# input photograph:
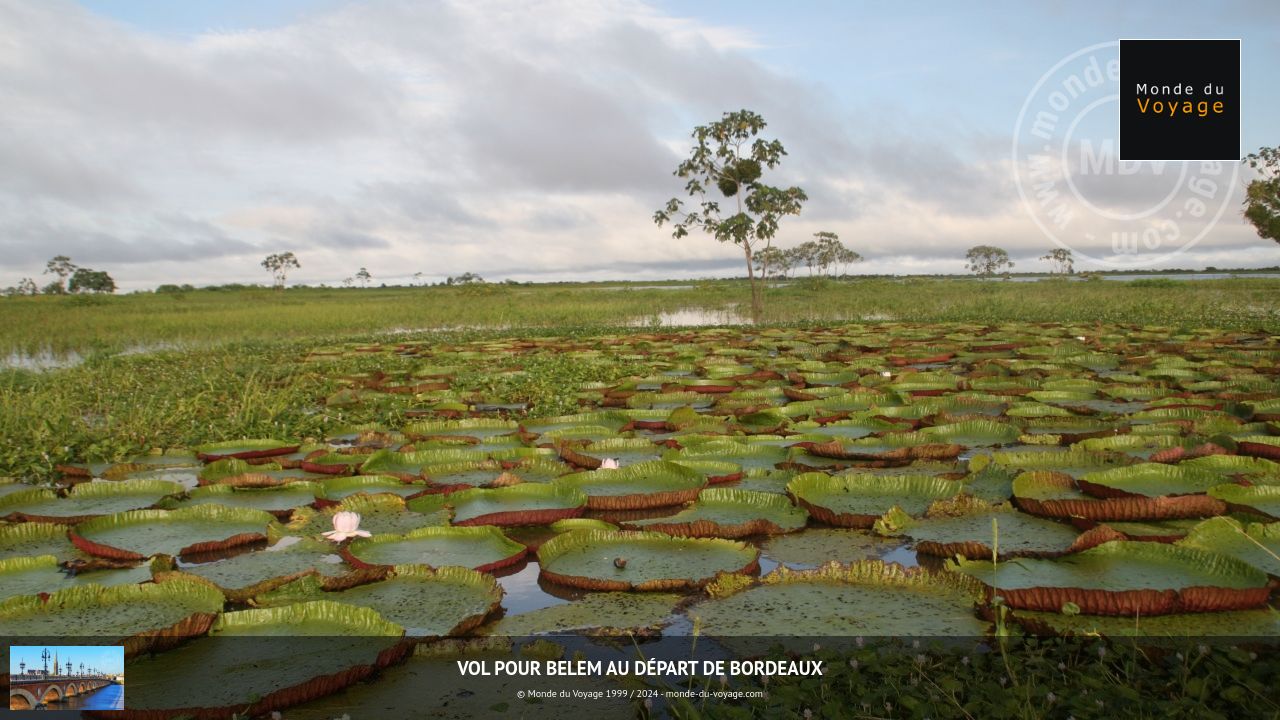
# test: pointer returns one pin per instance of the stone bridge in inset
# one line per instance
(29, 693)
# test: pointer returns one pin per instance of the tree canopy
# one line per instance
(729, 156)
(279, 265)
(1262, 196)
(987, 260)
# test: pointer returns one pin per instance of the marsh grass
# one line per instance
(32, 325)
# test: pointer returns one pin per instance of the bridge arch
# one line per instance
(52, 694)
(70, 690)
(20, 699)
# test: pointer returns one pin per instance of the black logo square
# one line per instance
(1180, 100)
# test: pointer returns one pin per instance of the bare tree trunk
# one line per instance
(757, 302)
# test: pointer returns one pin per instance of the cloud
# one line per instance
(509, 139)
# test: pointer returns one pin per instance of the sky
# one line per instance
(182, 142)
(108, 659)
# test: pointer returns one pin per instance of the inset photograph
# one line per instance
(66, 677)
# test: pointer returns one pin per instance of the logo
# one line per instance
(1117, 213)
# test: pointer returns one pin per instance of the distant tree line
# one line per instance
(69, 278)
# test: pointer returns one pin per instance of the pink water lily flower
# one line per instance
(609, 464)
(346, 525)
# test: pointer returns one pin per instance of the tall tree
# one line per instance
(1060, 260)
(987, 260)
(61, 266)
(729, 156)
(279, 265)
(364, 277)
(94, 281)
(1262, 196)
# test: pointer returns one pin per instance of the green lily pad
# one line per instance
(89, 499)
(972, 533)
(974, 433)
(332, 645)
(425, 601)
(523, 504)
(31, 538)
(138, 534)
(819, 546)
(868, 598)
(411, 465)
(430, 682)
(273, 499)
(1125, 578)
(1255, 543)
(636, 487)
(380, 514)
(729, 513)
(605, 613)
(244, 575)
(603, 560)
(31, 575)
(337, 488)
(1264, 499)
(243, 449)
(1149, 480)
(482, 548)
(119, 611)
(857, 500)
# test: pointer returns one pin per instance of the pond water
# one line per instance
(692, 317)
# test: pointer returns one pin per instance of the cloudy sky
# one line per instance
(181, 142)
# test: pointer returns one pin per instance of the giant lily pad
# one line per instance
(729, 513)
(425, 601)
(1055, 494)
(618, 560)
(245, 575)
(410, 465)
(1125, 578)
(146, 614)
(819, 546)
(857, 500)
(42, 574)
(379, 514)
(138, 534)
(331, 646)
(482, 548)
(1148, 480)
(244, 449)
(340, 487)
(1255, 543)
(30, 539)
(866, 598)
(605, 613)
(1263, 499)
(87, 500)
(523, 504)
(974, 433)
(636, 487)
(279, 500)
(972, 529)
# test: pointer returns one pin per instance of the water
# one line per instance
(46, 359)
(692, 317)
(110, 697)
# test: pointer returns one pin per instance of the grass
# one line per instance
(87, 325)
(111, 407)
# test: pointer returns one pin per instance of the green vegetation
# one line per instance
(110, 324)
